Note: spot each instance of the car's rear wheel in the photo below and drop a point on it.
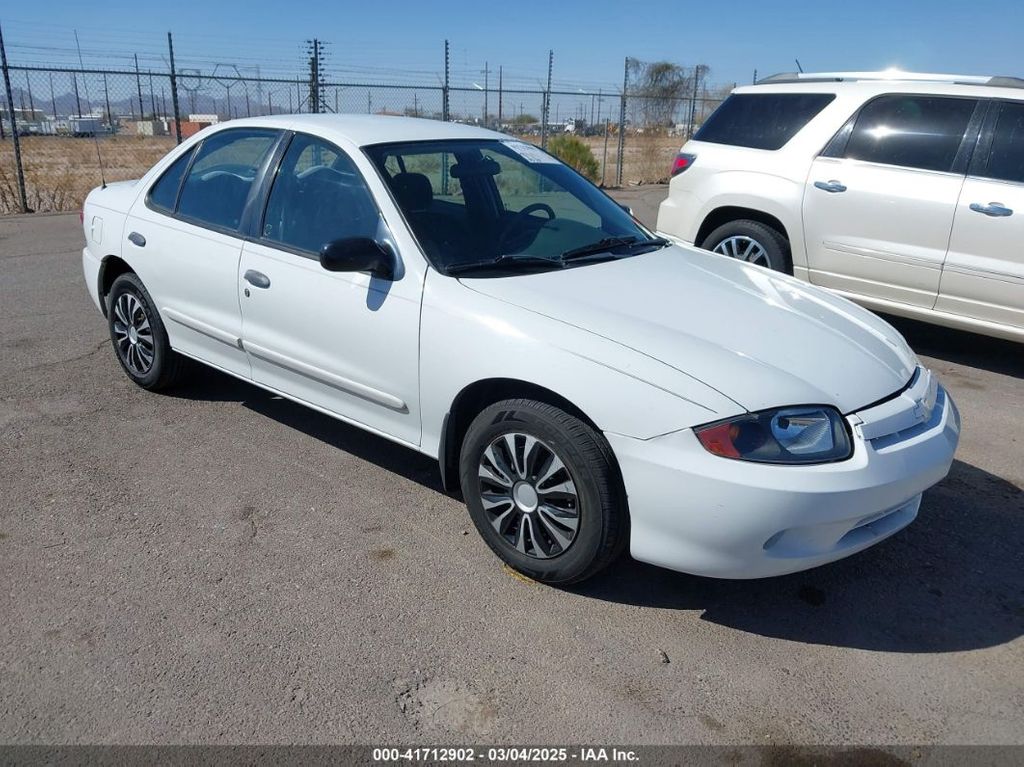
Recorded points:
(138, 336)
(543, 491)
(753, 242)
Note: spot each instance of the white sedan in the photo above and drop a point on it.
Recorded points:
(589, 386)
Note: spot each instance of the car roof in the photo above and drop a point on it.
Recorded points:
(868, 84)
(365, 130)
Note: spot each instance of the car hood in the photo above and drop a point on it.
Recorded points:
(760, 338)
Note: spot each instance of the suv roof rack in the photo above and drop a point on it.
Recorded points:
(892, 74)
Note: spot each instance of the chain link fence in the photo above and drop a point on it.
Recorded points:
(69, 124)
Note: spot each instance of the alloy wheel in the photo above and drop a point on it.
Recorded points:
(529, 495)
(133, 334)
(745, 249)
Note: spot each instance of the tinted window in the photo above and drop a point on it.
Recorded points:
(1006, 159)
(224, 170)
(475, 200)
(318, 196)
(164, 193)
(761, 120)
(911, 131)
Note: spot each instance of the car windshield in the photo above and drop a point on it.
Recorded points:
(503, 207)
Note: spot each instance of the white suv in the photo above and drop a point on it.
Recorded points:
(897, 190)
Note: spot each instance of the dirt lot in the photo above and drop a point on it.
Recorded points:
(219, 565)
(60, 171)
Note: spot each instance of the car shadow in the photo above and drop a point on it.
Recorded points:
(207, 384)
(962, 347)
(953, 580)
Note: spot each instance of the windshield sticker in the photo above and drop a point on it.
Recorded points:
(529, 152)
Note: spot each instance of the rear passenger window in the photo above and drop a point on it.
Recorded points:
(911, 131)
(1006, 158)
(762, 120)
(164, 193)
(224, 170)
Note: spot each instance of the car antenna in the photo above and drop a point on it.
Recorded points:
(800, 68)
(88, 101)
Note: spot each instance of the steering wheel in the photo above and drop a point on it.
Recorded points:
(515, 226)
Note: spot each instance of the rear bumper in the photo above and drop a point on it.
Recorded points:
(703, 514)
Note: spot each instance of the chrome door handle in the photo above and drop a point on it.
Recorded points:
(137, 239)
(832, 186)
(995, 209)
(257, 279)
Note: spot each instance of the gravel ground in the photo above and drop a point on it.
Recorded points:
(222, 566)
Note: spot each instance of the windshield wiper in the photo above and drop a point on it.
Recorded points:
(506, 261)
(613, 245)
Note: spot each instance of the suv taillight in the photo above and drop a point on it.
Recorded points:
(682, 162)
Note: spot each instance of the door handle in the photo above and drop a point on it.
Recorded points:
(995, 209)
(257, 279)
(137, 239)
(832, 186)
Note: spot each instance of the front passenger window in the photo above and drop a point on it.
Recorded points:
(318, 196)
(224, 171)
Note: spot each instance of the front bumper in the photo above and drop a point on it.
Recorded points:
(703, 514)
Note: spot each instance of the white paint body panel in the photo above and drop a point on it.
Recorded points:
(646, 347)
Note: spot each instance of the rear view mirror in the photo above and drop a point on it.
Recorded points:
(358, 254)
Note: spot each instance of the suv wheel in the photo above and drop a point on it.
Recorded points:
(542, 490)
(753, 242)
(138, 336)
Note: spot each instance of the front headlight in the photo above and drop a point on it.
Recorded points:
(807, 434)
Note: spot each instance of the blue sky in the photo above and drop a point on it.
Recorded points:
(369, 40)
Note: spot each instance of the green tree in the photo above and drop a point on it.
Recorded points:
(574, 153)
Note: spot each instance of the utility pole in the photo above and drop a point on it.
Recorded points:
(174, 91)
(487, 72)
(152, 96)
(501, 96)
(445, 107)
(78, 101)
(31, 102)
(622, 122)
(53, 97)
(14, 126)
(314, 76)
(547, 103)
(138, 85)
(754, 81)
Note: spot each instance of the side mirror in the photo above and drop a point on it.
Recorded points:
(628, 209)
(358, 254)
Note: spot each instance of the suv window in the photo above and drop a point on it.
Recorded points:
(318, 196)
(164, 193)
(1006, 158)
(224, 170)
(910, 131)
(762, 120)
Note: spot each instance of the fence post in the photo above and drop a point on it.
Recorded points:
(14, 126)
(622, 123)
(546, 112)
(445, 114)
(174, 91)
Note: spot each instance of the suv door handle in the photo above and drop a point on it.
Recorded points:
(830, 186)
(256, 279)
(992, 209)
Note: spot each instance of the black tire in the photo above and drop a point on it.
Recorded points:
(776, 246)
(166, 367)
(602, 519)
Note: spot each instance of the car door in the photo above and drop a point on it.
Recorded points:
(983, 277)
(346, 342)
(879, 201)
(184, 238)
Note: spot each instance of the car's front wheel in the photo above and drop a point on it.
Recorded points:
(138, 336)
(543, 491)
(753, 242)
